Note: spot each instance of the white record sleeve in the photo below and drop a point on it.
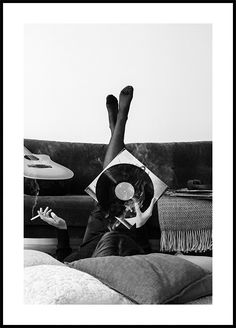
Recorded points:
(125, 157)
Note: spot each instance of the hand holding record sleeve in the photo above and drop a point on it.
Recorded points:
(141, 217)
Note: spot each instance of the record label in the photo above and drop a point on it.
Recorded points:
(124, 191)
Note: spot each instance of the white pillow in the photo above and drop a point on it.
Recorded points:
(33, 257)
(53, 284)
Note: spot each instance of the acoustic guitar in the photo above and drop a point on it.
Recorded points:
(40, 166)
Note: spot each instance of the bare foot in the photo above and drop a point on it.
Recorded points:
(125, 98)
(112, 108)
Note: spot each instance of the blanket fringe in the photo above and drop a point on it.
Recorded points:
(186, 241)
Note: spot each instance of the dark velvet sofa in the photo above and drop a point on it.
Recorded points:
(174, 163)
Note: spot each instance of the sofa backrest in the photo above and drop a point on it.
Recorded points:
(175, 163)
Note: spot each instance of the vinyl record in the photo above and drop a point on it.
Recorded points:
(119, 185)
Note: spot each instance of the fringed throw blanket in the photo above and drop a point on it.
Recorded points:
(185, 223)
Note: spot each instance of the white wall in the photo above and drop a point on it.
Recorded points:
(69, 70)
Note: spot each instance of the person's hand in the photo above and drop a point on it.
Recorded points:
(141, 217)
(52, 219)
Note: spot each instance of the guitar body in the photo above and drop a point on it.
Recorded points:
(39, 166)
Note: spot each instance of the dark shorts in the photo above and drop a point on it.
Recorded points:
(99, 241)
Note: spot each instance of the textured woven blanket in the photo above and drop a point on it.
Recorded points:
(185, 223)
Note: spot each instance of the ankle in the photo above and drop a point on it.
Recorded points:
(112, 128)
(122, 117)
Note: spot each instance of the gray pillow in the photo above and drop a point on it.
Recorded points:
(150, 279)
(205, 262)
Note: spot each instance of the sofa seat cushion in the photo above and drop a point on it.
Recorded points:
(74, 209)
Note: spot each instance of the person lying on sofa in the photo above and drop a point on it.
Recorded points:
(104, 234)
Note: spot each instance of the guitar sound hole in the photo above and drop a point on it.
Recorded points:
(41, 166)
(31, 157)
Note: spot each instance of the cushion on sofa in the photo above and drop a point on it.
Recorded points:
(84, 159)
(174, 163)
(150, 279)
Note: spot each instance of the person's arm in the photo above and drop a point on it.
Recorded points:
(63, 244)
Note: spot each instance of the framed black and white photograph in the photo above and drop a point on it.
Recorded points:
(117, 131)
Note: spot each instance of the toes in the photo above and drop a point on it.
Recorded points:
(111, 99)
(127, 90)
